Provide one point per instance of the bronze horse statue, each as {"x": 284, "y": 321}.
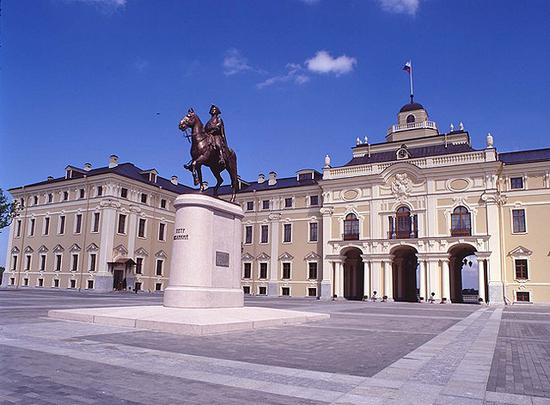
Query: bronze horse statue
{"x": 204, "y": 152}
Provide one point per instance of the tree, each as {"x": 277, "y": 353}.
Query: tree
{"x": 8, "y": 210}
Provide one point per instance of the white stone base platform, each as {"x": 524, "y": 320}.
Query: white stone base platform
{"x": 188, "y": 321}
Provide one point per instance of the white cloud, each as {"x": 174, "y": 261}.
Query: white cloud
{"x": 234, "y": 62}
{"x": 322, "y": 62}
{"x": 294, "y": 74}
{"x": 400, "y": 6}
{"x": 310, "y": 2}
{"x": 106, "y": 6}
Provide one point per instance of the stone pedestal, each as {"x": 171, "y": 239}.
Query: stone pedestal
{"x": 103, "y": 282}
{"x": 205, "y": 269}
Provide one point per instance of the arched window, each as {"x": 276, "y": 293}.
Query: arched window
{"x": 351, "y": 227}
{"x": 403, "y": 223}
{"x": 410, "y": 119}
{"x": 461, "y": 222}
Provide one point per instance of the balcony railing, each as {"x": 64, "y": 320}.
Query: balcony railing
{"x": 412, "y": 125}
{"x": 351, "y": 236}
{"x": 461, "y": 232}
{"x": 403, "y": 235}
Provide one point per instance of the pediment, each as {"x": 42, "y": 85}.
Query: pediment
{"x": 286, "y": 256}
{"x": 520, "y": 251}
{"x": 92, "y": 247}
{"x": 312, "y": 256}
{"x": 75, "y": 248}
{"x": 247, "y": 257}
{"x": 42, "y": 249}
{"x": 141, "y": 252}
{"x": 58, "y": 249}
{"x": 121, "y": 250}
{"x": 161, "y": 254}
{"x": 29, "y": 249}
{"x": 14, "y": 250}
{"x": 263, "y": 256}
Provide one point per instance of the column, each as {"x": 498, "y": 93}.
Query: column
{"x": 7, "y": 271}
{"x": 327, "y": 266}
{"x": 481, "y": 279}
{"x": 388, "y": 280}
{"x": 273, "y": 283}
{"x": 132, "y": 234}
{"x": 445, "y": 281}
{"x": 339, "y": 280}
{"x": 376, "y": 279}
{"x": 422, "y": 279}
{"x": 496, "y": 286}
{"x": 433, "y": 280}
{"x": 366, "y": 279}
{"x": 104, "y": 278}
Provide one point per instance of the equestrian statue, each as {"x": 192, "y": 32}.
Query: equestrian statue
{"x": 209, "y": 148}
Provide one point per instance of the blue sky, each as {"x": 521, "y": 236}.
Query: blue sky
{"x": 295, "y": 80}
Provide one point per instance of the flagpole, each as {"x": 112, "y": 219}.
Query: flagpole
{"x": 411, "y": 82}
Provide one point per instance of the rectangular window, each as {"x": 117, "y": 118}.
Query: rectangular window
{"x": 14, "y": 262}
{"x": 162, "y": 228}
{"x": 286, "y": 271}
{"x": 518, "y": 221}
{"x": 158, "y": 286}
{"x": 42, "y": 262}
{"x": 50, "y": 198}
{"x": 163, "y": 203}
{"x": 31, "y": 226}
{"x": 124, "y": 192}
{"x": 264, "y": 234}
{"x": 139, "y": 265}
{"x": 12, "y": 281}
{"x": 160, "y": 264}
{"x": 247, "y": 272}
{"x": 90, "y": 284}
{"x": 288, "y": 202}
{"x": 312, "y": 292}
{"x": 250, "y": 205}
{"x": 141, "y": 228}
{"x": 521, "y": 269}
{"x": 121, "y": 223}
{"x": 61, "y": 229}
{"x": 263, "y": 270}
{"x": 46, "y": 225}
{"x": 81, "y": 193}
{"x": 95, "y": 226}
{"x": 18, "y": 228}
{"x": 523, "y": 296}
{"x": 93, "y": 258}
{"x": 144, "y": 198}
{"x": 58, "y": 259}
{"x": 99, "y": 191}
{"x": 287, "y": 233}
{"x": 65, "y": 195}
{"x": 262, "y": 291}
{"x": 313, "y": 234}
{"x": 56, "y": 283}
{"x": 285, "y": 291}
{"x": 35, "y": 198}
{"x": 78, "y": 223}
{"x": 265, "y": 204}
{"x": 313, "y": 200}
{"x": 74, "y": 262}
{"x": 40, "y": 282}
{"x": 72, "y": 283}
{"x": 26, "y": 282}
{"x": 246, "y": 290}
{"x": 28, "y": 262}
{"x": 516, "y": 183}
{"x": 312, "y": 270}
{"x": 248, "y": 234}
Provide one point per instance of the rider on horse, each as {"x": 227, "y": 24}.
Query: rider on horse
{"x": 215, "y": 128}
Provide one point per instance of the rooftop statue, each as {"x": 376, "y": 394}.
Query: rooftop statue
{"x": 209, "y": 148}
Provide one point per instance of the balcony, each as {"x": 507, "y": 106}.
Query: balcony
{"x": 461, "y": 232}
{"x": 403, "y": 235}
{"x": 412, "y": 125}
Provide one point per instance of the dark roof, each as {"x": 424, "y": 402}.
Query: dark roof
{"x": 524, "y": 156}
{"x": 126, "y": 170}
{"x": 285, "y": 182}
{"x": 411, "y": 107}
{"x": 389, "y": 156}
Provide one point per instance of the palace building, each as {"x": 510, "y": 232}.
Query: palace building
{"x": 402, "y": 220}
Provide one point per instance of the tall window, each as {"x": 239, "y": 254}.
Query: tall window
{"x": 28, "y": 259}
{"x": 286, "y": 270}
{"x": 35, "y": 199}
{"x": 139, "y": 265}
{"x": 95, "y": 226}
{"x": 248, "y": 234}
{"x": 93, "y": 257}
{"x": 313, "y": 231}
{"x": 163, "y": 203}
{"x": 46, "y": 225}
{"x": 42, "y": 262}
{"x": 263, "y": 270}
{"x": 461, "y": 223}
{"x": 312, "y": 270}
{"x": 50, "y": 197}
{"x": 121, "y": 223}
{"x": 160, "y": 264}
{"x": 518, "y": 221}
{"x": 81, "y": 195}
{"x": 65, "y": 195}
{"x": 31, "y": 226}
{"x": 78, "y": 223}
{"x": 403, "y": 223}
{"x": 141, "y": 228}
{"x": 162, "y": 231}
{"x": 14, "y": 262}
{"x": 287, "y": 233}
{"x": 521, "y": 269}
{"x": 124, "y": 192}
{"x": 74, "y": 262}
{"x": 247, "y": 270}
{"x": 99, "y": 191}
{"x": 351, "y": 227}
{"x": 264, "y": 234}
{"x": 18, "y": 228}
{"x": 144, "y": 198}
{"x": 61, "y": 224}
{"x": 58, "y": 258}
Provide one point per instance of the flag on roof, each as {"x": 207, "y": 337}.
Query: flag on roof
{"x": 408, "y": 67}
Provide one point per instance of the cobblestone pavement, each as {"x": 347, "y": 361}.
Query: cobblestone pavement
{"x": 366, "y": 353}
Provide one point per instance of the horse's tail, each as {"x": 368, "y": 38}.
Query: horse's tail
{"x": 232, "y": 169}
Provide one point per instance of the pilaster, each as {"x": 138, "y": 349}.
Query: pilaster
{"x": 273, "y": 283}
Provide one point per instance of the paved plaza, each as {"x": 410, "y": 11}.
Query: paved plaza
{"x": 366, "y": 353}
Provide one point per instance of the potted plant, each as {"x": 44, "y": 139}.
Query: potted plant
{"x": 432, "y": 299}
{"x": 373, "y": 297}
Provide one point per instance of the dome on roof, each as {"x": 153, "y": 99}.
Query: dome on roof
{"x": 411, "y": 107}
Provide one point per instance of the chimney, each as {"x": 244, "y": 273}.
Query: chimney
{"x": 113, "y": 161}
{"x": 50, "y": 178}
{"x": 174, "y": 180}
{"x": 87, "y": 166}
{"x": 261, "y": 178}
{"x": 272, "y": 179}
